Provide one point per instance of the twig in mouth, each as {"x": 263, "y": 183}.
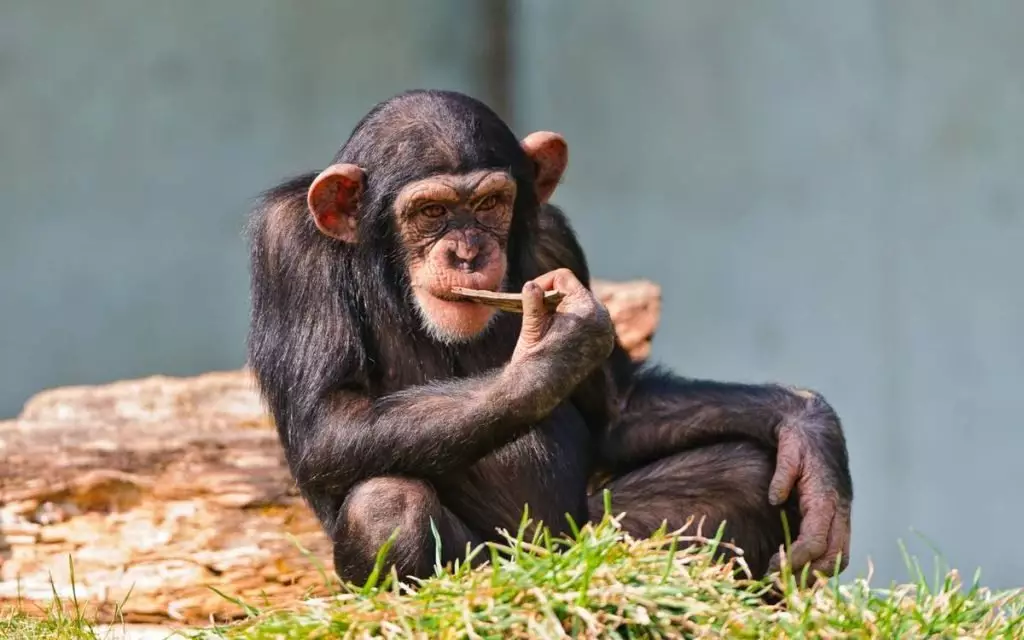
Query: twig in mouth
{"x": 512, "y": 302}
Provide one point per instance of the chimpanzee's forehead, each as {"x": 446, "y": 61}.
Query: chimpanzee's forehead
{"x": 425, "y": 133}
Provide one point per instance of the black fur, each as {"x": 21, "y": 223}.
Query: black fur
{"x": 383, "y": 427}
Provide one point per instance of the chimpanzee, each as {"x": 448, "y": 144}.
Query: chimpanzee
{"x": 399, "y": 405}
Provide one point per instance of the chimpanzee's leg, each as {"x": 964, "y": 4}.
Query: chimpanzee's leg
{"x": 372, "y": 512}
{"x": 718, "y": 482}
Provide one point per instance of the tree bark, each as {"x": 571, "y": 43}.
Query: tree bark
{"x": 166, "y": 487}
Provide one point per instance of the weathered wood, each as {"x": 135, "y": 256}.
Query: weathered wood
{"x": 635, "y": 308}
{"x": 166, "y": 487}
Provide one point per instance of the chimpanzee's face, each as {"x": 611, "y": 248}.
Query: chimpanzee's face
{"x": 455, "y": 231}
{"x": 453, "y": 228}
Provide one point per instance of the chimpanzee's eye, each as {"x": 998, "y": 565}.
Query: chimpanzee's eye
{"x": 433, "y": 211}
{"x": 487, "y": 203}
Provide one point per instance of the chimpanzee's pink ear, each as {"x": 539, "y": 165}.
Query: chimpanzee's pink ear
{"x": 333, "y": 200}
{"x": 550, "y": 155}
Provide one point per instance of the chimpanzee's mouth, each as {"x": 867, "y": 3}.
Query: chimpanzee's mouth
{"x": 458, "y": 298}
{"x": 448, "y": 295}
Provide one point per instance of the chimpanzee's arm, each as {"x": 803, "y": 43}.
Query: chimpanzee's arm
{"x": 431, "y": 429}
{"x": 665, "y": 414}
{"x": 422, "y": 431}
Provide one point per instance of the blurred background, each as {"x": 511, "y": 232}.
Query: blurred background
{"x": 830, "y": 194}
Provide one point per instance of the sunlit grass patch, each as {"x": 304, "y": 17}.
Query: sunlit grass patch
{"x": 602, "y": 584}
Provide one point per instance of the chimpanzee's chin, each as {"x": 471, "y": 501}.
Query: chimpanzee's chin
{"x": 451, "y": 322}
{"x": 455, "y": 335}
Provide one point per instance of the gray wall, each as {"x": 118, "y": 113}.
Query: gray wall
{"x": 828, "y": 193}
{"x": 132, "y": 138}
{"x": 831, "y": 195}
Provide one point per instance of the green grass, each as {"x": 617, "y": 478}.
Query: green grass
{"x": 602, "y": 584}
{"x": 16, "y": 625}
{"x": 59, "y": 620}
{"x": 56, "y": 622}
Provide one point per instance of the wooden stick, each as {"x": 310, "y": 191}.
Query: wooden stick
{"x": 512, "y": 302}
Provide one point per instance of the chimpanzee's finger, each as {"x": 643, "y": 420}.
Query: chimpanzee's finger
{"x": 563, "y": 280}
{"x": 535, "y": 315}
{"x": 846, "y": 548}
{"x": 838, "y": 544}
{"x": 787, "y": 469}
{"x": 812, "y": 541}
{"x": 834, "y": 551}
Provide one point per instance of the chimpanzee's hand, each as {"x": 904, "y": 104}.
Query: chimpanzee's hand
{"x": 812, "y": 458}
{"x": 573, "y": 339}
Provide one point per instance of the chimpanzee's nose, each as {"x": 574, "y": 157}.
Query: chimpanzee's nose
{"x": 463, "y": 255}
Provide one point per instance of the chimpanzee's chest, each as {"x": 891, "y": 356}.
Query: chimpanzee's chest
{"x": 546, "y": 469}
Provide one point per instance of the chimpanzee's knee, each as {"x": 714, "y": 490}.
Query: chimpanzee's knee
{"x": 370, "y": 516}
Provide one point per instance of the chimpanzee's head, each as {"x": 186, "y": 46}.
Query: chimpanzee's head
{"x": 439, "y": 179}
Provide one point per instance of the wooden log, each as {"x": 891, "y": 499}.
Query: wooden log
{"x": 635, "y": 309}
{"x": 165, "y": 487}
